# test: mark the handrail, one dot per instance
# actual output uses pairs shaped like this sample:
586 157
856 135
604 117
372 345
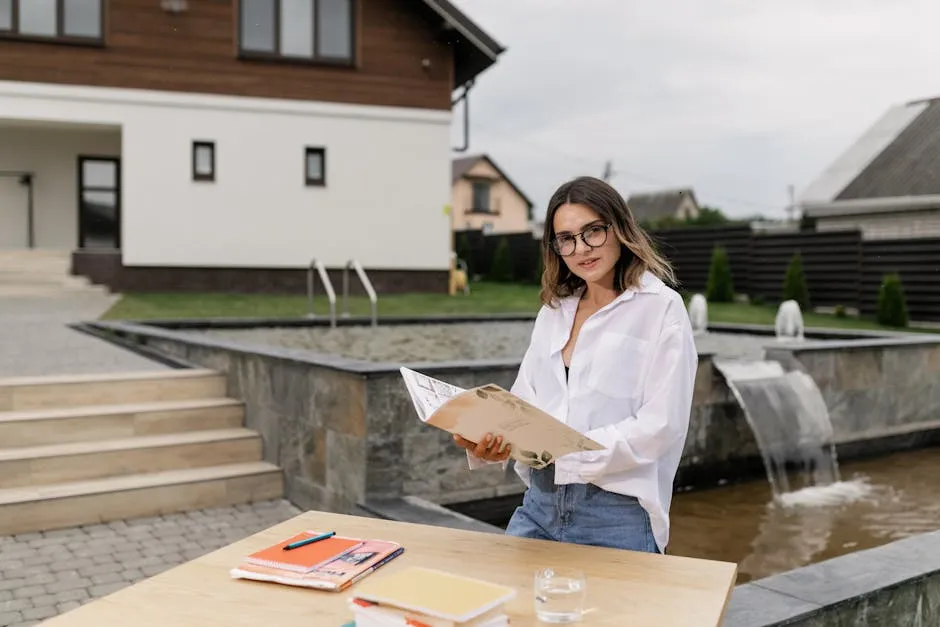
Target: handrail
327 285
366 283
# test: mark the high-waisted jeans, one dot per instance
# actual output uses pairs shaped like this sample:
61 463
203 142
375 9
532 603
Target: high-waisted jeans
581 514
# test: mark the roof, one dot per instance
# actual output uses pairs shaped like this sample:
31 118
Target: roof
893 166
655 205
474 49
460 167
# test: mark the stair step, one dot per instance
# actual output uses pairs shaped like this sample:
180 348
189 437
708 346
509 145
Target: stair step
55 506
105 422
80 461
26 393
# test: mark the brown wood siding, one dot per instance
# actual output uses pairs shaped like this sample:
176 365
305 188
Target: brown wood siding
196 51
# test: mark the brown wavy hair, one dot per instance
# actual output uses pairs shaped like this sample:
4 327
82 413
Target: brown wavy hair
637 253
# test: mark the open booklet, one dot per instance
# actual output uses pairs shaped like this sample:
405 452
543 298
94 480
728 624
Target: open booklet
537 438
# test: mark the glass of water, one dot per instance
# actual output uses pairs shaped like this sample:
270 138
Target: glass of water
560 594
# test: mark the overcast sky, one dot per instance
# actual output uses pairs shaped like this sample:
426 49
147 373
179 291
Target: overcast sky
736 98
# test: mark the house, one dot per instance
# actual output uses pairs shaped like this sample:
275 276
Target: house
679 204
886 184
226 144
484 198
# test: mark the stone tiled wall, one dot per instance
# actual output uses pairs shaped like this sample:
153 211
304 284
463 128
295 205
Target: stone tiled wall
312 419
874 389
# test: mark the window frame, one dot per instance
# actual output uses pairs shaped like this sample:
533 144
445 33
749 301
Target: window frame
197 176
60 37
316 59
488 209
315 182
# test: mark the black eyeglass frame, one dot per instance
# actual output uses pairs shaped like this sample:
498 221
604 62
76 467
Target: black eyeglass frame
582 235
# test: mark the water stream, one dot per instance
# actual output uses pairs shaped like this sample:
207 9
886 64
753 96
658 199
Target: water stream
790 422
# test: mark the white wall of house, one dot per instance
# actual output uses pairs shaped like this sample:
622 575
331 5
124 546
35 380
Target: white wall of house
51 155
387 177
900 225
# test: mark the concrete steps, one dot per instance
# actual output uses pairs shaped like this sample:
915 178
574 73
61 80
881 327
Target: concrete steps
77 450
39 272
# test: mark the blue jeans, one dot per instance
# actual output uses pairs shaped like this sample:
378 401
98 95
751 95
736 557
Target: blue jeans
581 514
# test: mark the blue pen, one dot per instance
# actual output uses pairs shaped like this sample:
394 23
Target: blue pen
300 543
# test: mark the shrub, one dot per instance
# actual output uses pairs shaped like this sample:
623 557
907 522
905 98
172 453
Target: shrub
840 311
794 283
892 308
758 299
502 269
720 288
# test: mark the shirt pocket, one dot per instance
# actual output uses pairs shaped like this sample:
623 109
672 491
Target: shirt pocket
617 365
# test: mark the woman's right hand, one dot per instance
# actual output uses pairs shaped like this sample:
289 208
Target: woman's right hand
488 449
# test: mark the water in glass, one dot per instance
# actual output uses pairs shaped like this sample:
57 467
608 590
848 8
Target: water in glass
559 595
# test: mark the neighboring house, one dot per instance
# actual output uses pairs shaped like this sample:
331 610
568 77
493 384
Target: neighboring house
679 204
225 144
484 198
887 184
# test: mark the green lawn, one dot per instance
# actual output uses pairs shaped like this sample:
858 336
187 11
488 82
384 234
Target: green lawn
484 298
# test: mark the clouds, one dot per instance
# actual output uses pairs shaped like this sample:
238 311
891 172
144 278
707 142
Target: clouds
736 97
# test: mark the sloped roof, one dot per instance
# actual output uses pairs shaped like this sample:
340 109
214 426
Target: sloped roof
475 50
655 205
460 167
897 158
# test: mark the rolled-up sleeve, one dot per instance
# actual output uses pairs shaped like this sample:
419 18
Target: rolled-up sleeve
662 419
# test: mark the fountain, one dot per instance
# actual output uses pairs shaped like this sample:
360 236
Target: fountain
698 314
790 421
789 322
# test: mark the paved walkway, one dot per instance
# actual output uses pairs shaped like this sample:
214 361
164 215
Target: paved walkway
45 574
35 341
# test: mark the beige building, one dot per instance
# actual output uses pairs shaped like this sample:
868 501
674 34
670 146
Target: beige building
678 204
484 198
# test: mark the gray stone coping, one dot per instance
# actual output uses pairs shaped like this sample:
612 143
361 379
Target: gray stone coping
324 321
347 364
417 510
817 593
907 339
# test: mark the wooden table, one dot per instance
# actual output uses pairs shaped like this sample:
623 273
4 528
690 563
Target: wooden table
624 587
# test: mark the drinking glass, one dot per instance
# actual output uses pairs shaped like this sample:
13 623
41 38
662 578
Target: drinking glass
560 594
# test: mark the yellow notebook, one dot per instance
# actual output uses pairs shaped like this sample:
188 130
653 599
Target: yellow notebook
435 593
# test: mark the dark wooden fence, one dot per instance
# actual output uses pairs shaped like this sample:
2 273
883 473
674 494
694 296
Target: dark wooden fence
841 268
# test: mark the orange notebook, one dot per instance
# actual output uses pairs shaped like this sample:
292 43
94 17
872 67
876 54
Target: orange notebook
306 558
333 564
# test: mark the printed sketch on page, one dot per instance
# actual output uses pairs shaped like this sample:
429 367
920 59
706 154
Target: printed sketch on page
428 393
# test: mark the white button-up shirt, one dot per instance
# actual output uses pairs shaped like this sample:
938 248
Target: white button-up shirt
629 388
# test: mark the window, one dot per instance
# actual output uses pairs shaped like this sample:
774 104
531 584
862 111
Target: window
315 166
203 161
481 196
77 21
307 30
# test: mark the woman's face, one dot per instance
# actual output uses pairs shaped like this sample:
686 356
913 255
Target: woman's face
586 243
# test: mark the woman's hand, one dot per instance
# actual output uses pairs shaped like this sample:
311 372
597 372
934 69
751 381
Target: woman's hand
488 449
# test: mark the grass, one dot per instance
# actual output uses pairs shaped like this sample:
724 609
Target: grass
484 298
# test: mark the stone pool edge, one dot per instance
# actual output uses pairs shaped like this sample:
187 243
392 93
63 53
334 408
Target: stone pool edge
879 586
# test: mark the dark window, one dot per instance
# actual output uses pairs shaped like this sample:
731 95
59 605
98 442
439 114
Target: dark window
99 202
481 196
203 161
315 166
307 30
78 21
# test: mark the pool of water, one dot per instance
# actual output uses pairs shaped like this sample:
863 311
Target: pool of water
883 499
443 342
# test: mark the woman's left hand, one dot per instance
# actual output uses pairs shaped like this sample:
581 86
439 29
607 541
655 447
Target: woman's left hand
488 449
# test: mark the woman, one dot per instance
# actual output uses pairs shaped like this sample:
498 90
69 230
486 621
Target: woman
611 355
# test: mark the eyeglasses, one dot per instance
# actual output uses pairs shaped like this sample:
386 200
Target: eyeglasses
593 236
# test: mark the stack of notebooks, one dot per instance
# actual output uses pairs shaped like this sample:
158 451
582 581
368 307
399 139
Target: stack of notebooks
422 597
332 564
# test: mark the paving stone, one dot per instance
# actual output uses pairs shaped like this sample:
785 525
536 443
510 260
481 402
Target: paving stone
40 612
90 567
10 618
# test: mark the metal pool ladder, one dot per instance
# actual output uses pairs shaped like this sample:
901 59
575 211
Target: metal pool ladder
366 283
316 264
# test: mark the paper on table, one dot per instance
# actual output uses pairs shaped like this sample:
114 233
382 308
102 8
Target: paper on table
537 438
